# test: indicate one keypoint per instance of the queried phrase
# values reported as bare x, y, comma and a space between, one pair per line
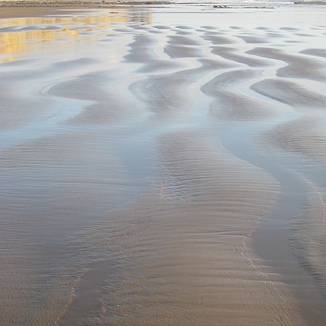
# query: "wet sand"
163, 166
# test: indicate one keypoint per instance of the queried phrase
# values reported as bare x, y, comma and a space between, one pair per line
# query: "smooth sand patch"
303, 136
290, 93
230, 104
297, 66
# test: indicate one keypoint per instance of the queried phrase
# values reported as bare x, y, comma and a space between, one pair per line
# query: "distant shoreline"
78, 3
29, 8
89, 4
10, 9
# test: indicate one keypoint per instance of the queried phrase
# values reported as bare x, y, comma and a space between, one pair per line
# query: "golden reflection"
20, 35
8, 59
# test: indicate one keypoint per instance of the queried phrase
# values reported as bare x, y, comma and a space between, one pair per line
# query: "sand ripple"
142, 165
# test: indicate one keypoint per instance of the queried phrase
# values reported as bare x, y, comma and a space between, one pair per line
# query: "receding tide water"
163, 166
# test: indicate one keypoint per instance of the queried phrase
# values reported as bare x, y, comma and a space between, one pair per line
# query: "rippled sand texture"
157, 173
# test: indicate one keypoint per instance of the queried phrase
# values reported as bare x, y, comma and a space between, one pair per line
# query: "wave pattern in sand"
138, 161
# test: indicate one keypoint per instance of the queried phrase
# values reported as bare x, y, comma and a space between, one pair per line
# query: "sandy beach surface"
163, 165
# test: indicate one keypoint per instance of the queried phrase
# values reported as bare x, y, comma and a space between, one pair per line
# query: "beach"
162, 165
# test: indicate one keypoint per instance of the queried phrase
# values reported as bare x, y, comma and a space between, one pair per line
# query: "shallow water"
155, 171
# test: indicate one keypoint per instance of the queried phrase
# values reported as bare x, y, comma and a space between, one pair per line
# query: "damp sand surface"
162, 166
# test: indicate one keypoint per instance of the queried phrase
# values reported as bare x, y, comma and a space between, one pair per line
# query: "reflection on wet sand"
21, 35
